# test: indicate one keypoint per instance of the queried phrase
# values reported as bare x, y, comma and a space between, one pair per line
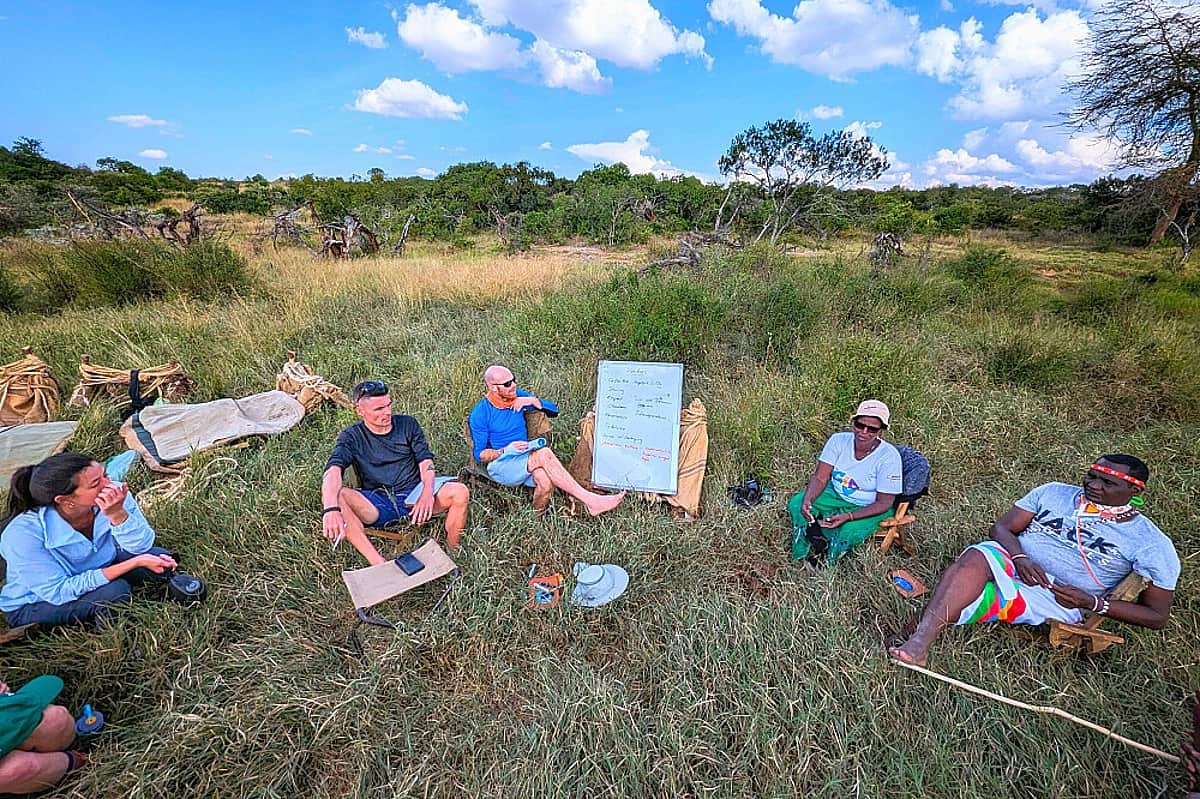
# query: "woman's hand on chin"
111, 501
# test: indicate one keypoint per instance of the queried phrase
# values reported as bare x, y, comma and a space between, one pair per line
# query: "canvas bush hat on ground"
597, 585
873, 407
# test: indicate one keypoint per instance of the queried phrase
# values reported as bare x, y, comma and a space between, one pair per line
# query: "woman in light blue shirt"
73, 544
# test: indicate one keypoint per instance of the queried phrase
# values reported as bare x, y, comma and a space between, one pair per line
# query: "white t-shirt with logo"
859, 481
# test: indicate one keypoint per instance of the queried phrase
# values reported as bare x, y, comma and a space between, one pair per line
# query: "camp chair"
1088, 637
392, 531
375, 584
915, 484
537, 425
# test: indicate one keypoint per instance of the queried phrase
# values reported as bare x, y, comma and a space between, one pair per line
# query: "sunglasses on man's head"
507, 383
870, 428
370, 388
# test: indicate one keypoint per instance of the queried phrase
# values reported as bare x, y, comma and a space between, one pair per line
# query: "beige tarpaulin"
28, 392
693, 458
167, 380
580, 466
308, 387
27, 444
167, 434
376, 584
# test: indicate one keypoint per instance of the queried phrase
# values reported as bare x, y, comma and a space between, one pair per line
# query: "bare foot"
454, 542
602, 504
901, 654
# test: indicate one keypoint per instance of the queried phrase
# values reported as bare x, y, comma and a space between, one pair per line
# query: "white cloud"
961, 162
1022, 71
1022, 152
366, 148
156, 155
409, 99
545, 146
1082, 155
268, 157
138, 121
629, 33
827, 112
1015, 128
569, 69
860, 130
371, 39
828, 37
406, 157
1049, 6
301, 131
634, 152
937, 53
455, 44
426, 172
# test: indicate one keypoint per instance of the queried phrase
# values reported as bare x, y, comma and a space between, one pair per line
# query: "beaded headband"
1126, 477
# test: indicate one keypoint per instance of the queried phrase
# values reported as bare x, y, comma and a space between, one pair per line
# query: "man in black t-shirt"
393, 460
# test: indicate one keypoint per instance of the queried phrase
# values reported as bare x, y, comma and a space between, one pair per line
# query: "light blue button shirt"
48, 560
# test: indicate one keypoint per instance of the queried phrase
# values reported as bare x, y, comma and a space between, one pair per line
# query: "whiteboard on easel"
637, 426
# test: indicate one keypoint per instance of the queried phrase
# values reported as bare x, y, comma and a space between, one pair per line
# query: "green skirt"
842, 538
21, 712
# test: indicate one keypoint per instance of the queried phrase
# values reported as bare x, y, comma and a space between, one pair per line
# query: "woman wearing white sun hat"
858, 476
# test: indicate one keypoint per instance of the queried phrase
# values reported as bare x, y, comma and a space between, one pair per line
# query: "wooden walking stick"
1052, 711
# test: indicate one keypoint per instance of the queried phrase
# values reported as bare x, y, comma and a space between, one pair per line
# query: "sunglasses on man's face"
870, 428
507, 383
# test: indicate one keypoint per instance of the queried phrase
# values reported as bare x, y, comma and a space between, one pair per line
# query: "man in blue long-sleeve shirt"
497, 425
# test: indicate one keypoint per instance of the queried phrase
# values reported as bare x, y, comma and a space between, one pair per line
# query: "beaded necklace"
1096, 512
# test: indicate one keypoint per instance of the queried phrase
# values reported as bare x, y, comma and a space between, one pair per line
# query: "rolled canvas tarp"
166, 435
27, 444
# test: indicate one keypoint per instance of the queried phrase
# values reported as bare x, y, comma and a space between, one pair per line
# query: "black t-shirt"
383, 461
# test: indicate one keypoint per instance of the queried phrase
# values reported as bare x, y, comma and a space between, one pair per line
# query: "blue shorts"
512, 467
391, 508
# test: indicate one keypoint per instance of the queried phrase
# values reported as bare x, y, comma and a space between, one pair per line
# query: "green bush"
1033, 362
639, 317
988, 268
995, 279
106, 273
855, 367
205, 269
1098, 299
780, 317
10, 292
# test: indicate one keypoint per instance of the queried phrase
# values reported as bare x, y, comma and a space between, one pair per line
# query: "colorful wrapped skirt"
1006, 598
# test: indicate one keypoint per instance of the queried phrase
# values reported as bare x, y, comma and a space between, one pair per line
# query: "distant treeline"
525, 204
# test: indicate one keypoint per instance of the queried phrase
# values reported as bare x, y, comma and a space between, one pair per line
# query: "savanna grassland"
725, 670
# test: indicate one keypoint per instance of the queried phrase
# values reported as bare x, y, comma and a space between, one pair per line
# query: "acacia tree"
1141, 87
790, 171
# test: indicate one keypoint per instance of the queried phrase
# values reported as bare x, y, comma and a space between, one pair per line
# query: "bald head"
496, 374
500, 384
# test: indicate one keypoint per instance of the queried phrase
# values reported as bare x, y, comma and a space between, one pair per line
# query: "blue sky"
956, 91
